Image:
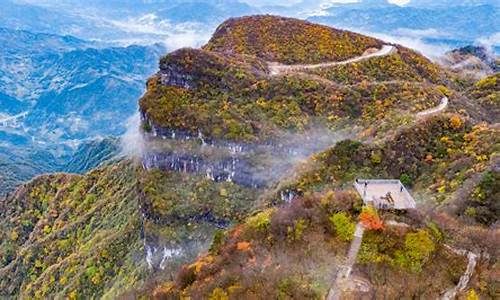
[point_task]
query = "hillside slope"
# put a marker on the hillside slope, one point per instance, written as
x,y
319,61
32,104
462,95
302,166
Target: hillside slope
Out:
x,y
450,160
295,250
67,235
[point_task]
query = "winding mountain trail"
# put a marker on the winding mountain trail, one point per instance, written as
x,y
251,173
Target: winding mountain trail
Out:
x,y
277,68
442,105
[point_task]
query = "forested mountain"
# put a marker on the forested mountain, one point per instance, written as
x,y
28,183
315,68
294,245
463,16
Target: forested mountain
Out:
x,y
241,182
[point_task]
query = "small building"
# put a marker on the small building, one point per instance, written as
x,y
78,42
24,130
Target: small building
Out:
x,y
384,193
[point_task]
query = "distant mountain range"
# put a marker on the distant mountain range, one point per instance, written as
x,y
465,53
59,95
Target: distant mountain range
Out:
x,y
58,91
125,22
66,84
452,25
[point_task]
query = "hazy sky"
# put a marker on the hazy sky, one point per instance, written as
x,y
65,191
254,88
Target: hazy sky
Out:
x,y
399,2
291,2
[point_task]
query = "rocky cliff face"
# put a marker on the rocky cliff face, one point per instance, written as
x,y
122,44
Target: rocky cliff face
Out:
x,y
173,75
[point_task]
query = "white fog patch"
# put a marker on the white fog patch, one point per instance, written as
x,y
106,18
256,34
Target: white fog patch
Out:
x,y
490,41
151,28
187,35
399,2
414,40
132,142
421,33
144,24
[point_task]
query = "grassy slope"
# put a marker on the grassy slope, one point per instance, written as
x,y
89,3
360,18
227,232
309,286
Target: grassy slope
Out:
x,y
437,156
486,93
404,65
68,235
448,159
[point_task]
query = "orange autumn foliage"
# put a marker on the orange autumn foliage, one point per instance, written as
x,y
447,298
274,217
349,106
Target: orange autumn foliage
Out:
x,y
243,246
371,221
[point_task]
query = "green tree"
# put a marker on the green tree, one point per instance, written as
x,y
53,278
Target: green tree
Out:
x,y
344,226
405,179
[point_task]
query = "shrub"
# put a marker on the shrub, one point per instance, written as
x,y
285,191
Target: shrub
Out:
x,y
218,294
436,233
418,248
470,212
405,179
376,157
444,90
456,122
14,235
488,82
471,295
186,276
344,226
261,221
218,242
295,232
298,288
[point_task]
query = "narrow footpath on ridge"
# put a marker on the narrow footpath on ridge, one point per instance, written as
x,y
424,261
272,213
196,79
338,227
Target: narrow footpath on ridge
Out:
x,y
465,278
442,105
343,280
277,68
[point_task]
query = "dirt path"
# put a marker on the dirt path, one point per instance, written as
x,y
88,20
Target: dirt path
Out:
x,y
344,280
439,108
277,69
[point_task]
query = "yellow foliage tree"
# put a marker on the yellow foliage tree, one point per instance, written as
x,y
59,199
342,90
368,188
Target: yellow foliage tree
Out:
x,y
456,122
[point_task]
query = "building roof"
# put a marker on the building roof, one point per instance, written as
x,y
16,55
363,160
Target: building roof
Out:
x,y
384,193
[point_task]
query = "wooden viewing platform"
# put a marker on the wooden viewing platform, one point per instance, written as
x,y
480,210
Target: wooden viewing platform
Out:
x,y
384,193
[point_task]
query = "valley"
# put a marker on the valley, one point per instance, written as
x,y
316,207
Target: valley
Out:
x,y
67,92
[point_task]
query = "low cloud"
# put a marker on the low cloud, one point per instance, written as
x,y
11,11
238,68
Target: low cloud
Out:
x,y
150,28
490,42
132,142
421,33
415,41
